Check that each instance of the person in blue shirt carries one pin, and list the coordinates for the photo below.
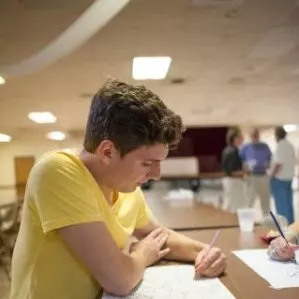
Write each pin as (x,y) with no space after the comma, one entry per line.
(256,156)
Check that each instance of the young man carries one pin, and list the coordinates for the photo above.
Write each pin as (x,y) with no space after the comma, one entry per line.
(80,211)
(282,174)
(232,166)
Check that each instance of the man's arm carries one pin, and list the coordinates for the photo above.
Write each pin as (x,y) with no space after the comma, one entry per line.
(228,162)
(207,262)
(243,156)
(116,272)
(276,168)
(181,247)
(278,158)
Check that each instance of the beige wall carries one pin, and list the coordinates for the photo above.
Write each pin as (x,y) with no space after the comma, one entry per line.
(26,148)
(36,148)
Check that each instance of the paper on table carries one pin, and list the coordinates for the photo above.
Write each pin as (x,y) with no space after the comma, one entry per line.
(176,282)
(279,274)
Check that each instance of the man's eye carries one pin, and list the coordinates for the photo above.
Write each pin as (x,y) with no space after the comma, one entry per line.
(147,164)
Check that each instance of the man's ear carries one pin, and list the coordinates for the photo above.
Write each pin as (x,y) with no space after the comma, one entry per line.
(106,151)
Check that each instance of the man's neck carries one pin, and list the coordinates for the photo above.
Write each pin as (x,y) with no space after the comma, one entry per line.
(87,159)
(108,194)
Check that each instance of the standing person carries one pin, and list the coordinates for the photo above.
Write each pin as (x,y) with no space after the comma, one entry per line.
(233,182)
(282,174)
(81,210)
(256,156)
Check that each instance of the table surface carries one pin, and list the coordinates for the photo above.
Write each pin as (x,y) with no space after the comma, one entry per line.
(189,214)
(242,281)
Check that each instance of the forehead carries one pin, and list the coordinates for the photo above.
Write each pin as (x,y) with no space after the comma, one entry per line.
(156,152)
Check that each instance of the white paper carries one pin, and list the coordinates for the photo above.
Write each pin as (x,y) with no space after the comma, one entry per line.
(176,282)
(278,274)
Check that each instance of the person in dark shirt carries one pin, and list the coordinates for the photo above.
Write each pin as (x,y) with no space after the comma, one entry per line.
(232,166)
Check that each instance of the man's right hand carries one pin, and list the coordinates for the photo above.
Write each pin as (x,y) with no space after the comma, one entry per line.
(151,247)
(280,250)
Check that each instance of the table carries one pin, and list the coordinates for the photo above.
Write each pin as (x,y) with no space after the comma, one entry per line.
(189,214)
(243,282)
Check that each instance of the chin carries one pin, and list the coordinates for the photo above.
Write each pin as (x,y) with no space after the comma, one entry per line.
(128,189)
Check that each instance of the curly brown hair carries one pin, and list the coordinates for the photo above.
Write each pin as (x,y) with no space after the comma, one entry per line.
(131,117)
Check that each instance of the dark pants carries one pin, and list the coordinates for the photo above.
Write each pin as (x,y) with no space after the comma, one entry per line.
(283,197)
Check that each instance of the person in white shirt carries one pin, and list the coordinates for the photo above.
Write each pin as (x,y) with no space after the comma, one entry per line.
(282,173)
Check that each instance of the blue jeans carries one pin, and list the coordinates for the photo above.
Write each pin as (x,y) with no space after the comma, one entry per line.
(283,197)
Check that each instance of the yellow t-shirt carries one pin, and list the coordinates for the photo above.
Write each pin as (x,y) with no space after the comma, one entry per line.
(61,192)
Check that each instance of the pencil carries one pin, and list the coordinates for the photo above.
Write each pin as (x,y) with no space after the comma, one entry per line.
(278,226)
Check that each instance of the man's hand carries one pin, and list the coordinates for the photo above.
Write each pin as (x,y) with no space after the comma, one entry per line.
(210,263)
(151,247)
(280,250)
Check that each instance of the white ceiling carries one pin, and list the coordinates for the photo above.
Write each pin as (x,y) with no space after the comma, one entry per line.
(239,60)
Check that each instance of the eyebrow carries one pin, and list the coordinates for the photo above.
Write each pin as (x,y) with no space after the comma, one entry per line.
(153,160)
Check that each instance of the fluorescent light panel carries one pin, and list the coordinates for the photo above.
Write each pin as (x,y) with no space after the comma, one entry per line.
(291,128)
(2,80)
(56,135)
(5,138)
(150,68)
(43,117)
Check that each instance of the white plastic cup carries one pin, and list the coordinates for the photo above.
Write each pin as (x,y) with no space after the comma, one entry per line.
(246,219)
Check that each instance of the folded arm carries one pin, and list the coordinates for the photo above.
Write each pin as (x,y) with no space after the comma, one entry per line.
(116,272)
(209,262)
(181,247)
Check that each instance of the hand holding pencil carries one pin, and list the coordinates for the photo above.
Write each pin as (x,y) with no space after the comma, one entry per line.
(280,248)
(210,261)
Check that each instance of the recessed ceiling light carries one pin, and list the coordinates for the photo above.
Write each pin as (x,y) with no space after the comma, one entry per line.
(5,138)
(56,135)
(2,80)
(44,117)
(150,68)
(291,128)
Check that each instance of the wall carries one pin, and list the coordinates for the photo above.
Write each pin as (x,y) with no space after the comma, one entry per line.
(26,148)
(205,143)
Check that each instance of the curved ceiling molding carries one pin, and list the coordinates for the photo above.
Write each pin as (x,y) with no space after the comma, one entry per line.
(91,21)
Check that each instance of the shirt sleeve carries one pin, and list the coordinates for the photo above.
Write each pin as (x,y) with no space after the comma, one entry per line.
(62,194)
(145,213)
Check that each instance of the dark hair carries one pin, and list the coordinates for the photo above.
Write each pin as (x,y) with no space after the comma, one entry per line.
(232,134)
(130,116)
(280,133)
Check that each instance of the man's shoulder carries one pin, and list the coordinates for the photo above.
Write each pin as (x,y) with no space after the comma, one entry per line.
(261,145)
(286,144)
(264,144)
(57,163)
